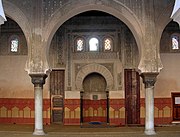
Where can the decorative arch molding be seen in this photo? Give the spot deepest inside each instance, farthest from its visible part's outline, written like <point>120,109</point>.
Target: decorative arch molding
<point>117,9</point>
<point>91,68</point>
<point>18,16</point>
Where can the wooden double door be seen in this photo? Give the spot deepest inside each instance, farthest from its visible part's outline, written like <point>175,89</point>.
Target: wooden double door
<point>176,106</point>
<point>132,96</point>
<point>57,95</point>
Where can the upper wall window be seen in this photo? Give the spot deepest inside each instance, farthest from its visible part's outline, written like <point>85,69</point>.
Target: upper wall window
<point>14,44</point>
<point>170,39</point>
<point>93,44</point>
<point>108,44</point>
<point>79,44</point>
<point>175,42</point>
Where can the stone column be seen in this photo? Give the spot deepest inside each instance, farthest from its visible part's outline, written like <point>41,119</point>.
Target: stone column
<point>149,80</point>
<point>81,108</point>
<point>38,80</point>
<point>107,105</point>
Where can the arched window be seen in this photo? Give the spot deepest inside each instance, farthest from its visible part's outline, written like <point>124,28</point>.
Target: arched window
<point>79,44</point>
<point>14,44</point>
<point>108,44</point>
<point>175,41</point>
<point>93,44</point>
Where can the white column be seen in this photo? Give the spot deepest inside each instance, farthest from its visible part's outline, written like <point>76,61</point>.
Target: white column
<point>149,119</point>
<point>149,80</point>
<point>38,80</point>
<point>38,95</point>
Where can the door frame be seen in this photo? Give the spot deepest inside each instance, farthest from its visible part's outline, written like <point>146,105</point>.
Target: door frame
<point>175,104</point>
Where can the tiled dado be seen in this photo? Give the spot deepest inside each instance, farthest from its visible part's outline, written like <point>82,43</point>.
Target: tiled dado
<point>22,111</point>
<point>162,111</point>
<point>94,110</point>
<point>71,112</point>
<point>117,111</point>
<point>17,110</point>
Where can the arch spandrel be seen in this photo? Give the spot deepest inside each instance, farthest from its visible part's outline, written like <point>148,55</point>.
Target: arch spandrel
<point>91,68</point>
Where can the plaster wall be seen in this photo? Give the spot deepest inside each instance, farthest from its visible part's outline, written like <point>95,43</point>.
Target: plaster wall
<point>168,80</point>
<point>15,81</point>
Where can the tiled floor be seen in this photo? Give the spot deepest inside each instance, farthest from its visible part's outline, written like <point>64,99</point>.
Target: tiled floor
<point>7,130</point>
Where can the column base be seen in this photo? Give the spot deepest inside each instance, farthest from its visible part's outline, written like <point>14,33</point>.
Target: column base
<point>150,132</point>
<point>38,132</point>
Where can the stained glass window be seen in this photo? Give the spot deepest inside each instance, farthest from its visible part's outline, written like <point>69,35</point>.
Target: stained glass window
<point>107,44</point>
<point>93,44</point>
<point>175,42</point>
<point>14,45</point>
<point>79,44</point>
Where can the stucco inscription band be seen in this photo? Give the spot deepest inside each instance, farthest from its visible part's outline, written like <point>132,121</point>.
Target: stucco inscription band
<point>38,80</point>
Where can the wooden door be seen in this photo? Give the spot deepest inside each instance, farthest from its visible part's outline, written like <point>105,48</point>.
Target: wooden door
<point>176,106</point>
<point>132,96</point>
<point>57,95</point>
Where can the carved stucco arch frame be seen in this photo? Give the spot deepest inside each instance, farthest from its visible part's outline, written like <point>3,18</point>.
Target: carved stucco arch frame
<point>121,12</point>
<point>19,17</point>
<point>91,68</point>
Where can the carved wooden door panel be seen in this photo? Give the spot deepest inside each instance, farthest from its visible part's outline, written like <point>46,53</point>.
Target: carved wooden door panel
<point>57,95</point>
<point>176,106</point>
<point>132,96</point>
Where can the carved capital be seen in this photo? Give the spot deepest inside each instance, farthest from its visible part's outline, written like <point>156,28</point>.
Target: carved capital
<point>38,78</point>
<point>149,79</point>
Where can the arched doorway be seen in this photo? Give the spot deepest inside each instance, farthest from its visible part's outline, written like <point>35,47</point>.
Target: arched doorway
<point>94,99</point>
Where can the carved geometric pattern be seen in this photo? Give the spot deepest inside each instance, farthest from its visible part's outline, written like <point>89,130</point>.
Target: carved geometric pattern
<point>60,50</point>
<point>90,55</point>
<point>84,71</point>
<point>50,6</point>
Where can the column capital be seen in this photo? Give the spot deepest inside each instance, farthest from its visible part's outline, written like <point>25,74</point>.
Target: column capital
<point>149,79</point>
<point>38,78</point>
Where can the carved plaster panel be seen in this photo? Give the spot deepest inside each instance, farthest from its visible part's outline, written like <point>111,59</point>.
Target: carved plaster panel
<point>99,55</point>
<point>91,68</point>
<point>109,66</point>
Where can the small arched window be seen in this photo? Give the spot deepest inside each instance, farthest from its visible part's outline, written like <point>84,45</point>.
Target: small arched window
<point>175,42</point>
<point>79,44</point>
<point>108,44</point>
<point>14,44</point>
<point>93,44</point>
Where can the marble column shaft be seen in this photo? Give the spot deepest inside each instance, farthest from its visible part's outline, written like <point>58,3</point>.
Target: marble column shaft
<point>149,80</point>
<point>38,80</point>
